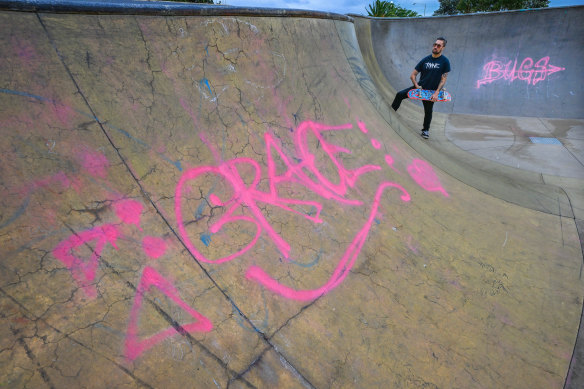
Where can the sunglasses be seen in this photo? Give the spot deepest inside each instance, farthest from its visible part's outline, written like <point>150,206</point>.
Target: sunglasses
<point>436,45</point>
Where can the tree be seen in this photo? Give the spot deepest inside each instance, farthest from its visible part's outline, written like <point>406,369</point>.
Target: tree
<point>386,9</point>
<point>453,7</point>
<point>447,7</point>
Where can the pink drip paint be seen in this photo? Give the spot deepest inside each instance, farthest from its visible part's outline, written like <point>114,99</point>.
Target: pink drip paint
<point>133,346</point>
<point>153,246</point>
<point>212,148</point>
<point>83,270</point>
<point>129,211</point>
<point>375,143</point>
<point>411,246</point>
<point>184,103</point>
<point>347,102</point>
<point>423,174</point>
<point>389,160</point>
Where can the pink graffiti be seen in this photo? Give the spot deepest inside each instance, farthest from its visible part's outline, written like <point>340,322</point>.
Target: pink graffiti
<point>83,270</point>
<point>295,173</point>
<point>133,346</point>
<point>95,163</point>
<point>187,108</point>
<point>129,211</point>
<point>347,102</point>
<point>249,196</point>
<point>423,174</point>
<point>58,178</point>
<point>527,71</point>
<point>24,50</point>
<point>376,144</point>
<point>343,267</point>
<point>64,113</point>
<point>153,246</point>
<point>389,160</point>
<point>362,127</point>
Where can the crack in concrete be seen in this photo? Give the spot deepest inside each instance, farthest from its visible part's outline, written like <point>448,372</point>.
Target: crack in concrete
<point>32,357</point>
<point>147,197</point>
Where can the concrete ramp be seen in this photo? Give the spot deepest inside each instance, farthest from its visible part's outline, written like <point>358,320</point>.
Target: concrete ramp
<point>193,197</point>
<point>519,63</point>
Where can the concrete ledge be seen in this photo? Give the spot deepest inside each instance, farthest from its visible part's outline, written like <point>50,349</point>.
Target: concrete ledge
<point>165,8</point>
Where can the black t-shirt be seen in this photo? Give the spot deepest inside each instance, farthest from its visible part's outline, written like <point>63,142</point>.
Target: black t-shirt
<point>431,70</point>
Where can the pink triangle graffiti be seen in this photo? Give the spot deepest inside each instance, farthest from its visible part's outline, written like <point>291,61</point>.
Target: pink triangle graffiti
<point>134,346</point>
<point>83,270</point>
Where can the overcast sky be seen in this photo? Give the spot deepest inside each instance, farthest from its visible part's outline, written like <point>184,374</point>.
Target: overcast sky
<point>357,6</point>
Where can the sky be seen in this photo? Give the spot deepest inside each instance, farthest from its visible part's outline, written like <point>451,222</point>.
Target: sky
<point>357,6</point>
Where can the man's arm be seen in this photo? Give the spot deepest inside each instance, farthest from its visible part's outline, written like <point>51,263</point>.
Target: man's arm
<point>440,86</point>
<point>413,78</point>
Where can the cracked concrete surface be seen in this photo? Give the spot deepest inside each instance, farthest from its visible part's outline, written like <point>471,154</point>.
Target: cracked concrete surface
<point>114,275</point>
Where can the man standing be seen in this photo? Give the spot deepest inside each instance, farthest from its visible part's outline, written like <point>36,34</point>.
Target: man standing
<point>434,71</point>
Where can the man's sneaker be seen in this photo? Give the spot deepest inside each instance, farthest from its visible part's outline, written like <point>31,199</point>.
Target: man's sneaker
<point>425,134</point>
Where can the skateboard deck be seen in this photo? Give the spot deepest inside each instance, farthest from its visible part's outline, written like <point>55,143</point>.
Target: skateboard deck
<point>426,94</point>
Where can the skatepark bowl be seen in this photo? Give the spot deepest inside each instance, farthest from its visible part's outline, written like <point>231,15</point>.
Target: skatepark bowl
<point>199,196</point>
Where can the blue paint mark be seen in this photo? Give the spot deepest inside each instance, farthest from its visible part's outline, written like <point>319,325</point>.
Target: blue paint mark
<point>206,82</point>
<point>239,318</point>
<point>312,211</point>
<point>111,330</point>
<point>206,239</point>
<point>141,142</point>
<point>127,135</point>
<point>310,264</point>
<point>241,119</point>
<point>24,94</point>
<point>200,210</point>
<point>19,212</point>
<point>377,221</point>
<point>44,99</point>
<point>207,50</point>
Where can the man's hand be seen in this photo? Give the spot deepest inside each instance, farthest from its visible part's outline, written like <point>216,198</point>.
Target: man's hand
<point>434,96</point>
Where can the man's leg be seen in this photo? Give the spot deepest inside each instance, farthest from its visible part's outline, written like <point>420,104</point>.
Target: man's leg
<point>428,107</point>
<point>403,94</point>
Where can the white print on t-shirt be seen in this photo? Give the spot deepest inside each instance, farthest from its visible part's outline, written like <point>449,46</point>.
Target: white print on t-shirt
<point>430,65</point>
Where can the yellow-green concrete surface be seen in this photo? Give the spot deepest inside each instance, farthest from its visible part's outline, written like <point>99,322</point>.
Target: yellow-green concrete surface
<point>213,202</point>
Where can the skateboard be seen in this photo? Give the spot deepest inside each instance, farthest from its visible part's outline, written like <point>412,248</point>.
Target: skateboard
<point>425,94</point>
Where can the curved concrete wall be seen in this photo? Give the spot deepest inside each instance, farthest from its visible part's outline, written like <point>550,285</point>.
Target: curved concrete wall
<point>524,63</point>
<point>217,201</point>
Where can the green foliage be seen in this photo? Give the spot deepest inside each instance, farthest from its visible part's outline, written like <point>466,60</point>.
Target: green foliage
<point>447,7</point>
<point>453,7</point>
<point>386,9</point>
